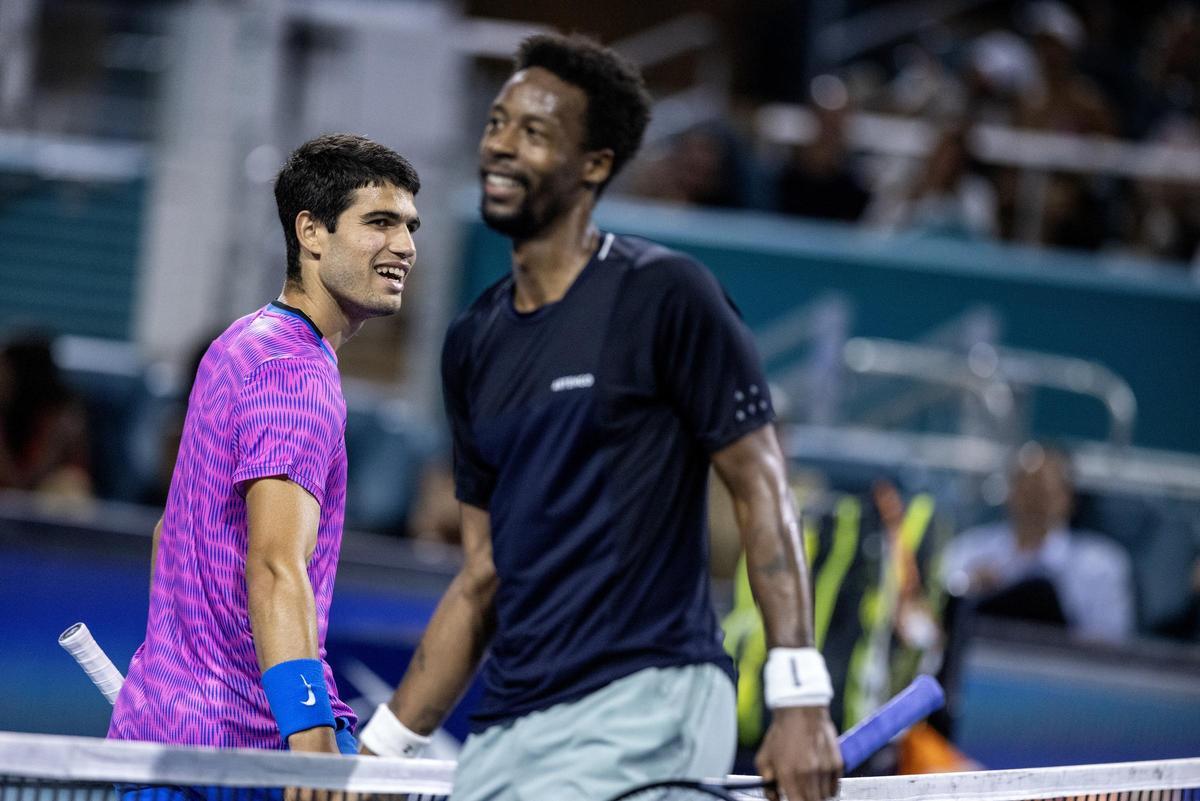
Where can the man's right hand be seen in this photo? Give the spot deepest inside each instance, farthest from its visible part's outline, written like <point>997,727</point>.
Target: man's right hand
<point>800,752</point>
<point>317,740</point>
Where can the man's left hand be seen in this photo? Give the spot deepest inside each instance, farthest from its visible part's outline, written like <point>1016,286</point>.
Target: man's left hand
<point>800,752</point>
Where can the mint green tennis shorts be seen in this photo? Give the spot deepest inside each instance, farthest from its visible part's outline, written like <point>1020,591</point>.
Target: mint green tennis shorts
<point>658,723</point>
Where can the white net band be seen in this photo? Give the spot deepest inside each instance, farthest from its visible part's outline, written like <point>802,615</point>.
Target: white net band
<point>61,759</point>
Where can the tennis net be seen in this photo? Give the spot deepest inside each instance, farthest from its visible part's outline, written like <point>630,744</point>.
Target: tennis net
<point>54,768</point>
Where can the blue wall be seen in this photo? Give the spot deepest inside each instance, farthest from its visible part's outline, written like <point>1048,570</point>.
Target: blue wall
<point>1014,718</point>
<point>46,587</point>
<point>1013,714</point>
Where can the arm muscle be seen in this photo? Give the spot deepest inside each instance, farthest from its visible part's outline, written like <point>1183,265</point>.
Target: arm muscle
<point>459,632</point>
<point>283,520</point>
<point>753,469</point>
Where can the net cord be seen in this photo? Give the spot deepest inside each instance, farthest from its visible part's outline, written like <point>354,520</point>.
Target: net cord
<point>90,759</point>
<point>1027,784</point>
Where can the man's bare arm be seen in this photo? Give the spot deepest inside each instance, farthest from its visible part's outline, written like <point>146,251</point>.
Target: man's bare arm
<point>753,470</point>
<point>800,749</point>
<point>457,635</point>
<point>283,522</point>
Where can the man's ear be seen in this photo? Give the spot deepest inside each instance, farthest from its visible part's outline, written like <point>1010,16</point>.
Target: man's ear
<point>597,166</point>
<point>311,233</point>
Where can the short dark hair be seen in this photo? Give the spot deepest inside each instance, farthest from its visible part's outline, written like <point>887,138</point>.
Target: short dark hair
<point>321,176</point>
<point>618,106</point>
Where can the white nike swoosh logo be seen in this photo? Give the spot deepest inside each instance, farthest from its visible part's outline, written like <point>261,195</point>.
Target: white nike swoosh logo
<point>312,699</point>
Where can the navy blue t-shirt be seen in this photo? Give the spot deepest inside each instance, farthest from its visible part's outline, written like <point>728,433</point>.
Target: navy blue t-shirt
<point>584,428</point>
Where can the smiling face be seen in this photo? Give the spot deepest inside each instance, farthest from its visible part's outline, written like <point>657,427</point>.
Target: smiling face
<point>363,264</point>
<point>532,158</point>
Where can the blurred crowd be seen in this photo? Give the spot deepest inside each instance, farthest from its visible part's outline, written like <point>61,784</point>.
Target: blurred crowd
<point>44,444</point>
<point>903,597</point>
<point>1051,68</point>
<point>1096,70</point>
<point>899,590</point>
<point>902,580</point>
<point>1047,560</point>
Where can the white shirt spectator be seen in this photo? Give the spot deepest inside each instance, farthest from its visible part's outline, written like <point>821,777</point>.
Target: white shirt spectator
<point>1091,574</point>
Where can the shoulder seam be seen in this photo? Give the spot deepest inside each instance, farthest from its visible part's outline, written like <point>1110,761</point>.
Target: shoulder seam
<point>319,361</point>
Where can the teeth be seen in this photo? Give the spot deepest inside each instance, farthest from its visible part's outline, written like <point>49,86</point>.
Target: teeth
<point>502,181</point>
<point>393,274</point>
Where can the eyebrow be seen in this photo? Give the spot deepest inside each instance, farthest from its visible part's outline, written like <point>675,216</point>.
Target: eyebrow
<point>526,116</point>
<point>413,222</point>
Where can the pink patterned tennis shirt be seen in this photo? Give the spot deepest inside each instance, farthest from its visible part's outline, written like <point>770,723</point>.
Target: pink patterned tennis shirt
<point>267,401</point>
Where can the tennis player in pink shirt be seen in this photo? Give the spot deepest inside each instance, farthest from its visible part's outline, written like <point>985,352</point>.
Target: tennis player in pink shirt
<point>246,552</point>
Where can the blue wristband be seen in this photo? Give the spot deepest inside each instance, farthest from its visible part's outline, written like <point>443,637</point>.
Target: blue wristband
<point>298,697</point>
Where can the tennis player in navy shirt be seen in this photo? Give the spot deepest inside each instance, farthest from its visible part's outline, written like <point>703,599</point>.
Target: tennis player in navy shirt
<point>588,393</point>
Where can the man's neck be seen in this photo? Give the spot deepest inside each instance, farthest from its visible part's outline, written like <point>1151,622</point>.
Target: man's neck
<point>1032,536</point>
<point>544,266</point>
<point>323,310</point>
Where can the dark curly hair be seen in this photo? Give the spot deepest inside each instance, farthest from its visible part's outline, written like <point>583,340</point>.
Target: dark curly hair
<point>618,107</point>
<point>321,176</point>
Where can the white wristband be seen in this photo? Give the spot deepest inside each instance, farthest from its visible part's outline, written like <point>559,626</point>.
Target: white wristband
<point>796,677</point>
<point>385,735</point>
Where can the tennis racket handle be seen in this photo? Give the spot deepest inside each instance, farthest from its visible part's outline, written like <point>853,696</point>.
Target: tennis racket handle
<point>916,701</point>
<point>87,652</point>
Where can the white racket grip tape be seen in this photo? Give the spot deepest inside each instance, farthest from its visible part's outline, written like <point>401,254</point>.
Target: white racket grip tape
<point>87,652</point>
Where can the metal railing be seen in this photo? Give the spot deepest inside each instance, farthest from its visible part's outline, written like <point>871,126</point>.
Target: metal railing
<point>938,370</point>
<point>60,156</point>
<point>958,365</point>
<point>1027,371</point>
<point>1000,379</point>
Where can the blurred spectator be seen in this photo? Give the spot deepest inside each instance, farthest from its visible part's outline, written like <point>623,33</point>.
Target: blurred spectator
<point>171,431</point>
<point>923,86</point>
<point>1161,219</point>
<point>868,549</point>
<point>946,197</point>
<point>1074,214</point>
<point>700,167</point>
<point>914,622</point>
<point>43,424</point>
<point>1109,57</point>
<point>1034,567</point>
<point>1170,67</point>
<point>817,181</point>
<point>1066,100</point>
<point>1163,216</point>
<point>1091,68</point>
<point>1001,69</point>
<point>1186,625</point>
